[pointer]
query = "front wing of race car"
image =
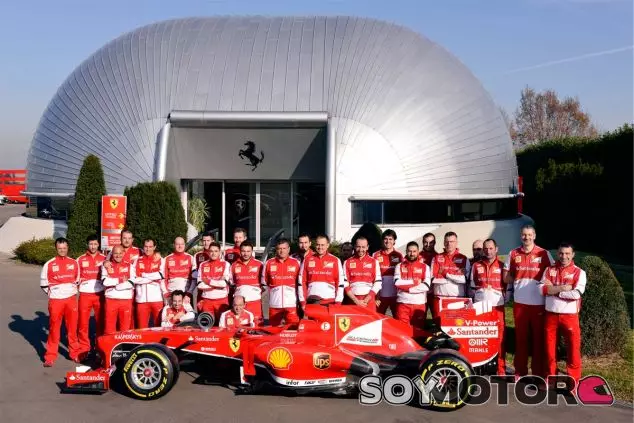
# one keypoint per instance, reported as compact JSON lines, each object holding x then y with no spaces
{"x":86,"y":380}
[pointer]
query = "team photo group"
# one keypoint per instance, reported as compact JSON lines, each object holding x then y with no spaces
{"x":134,"y":287}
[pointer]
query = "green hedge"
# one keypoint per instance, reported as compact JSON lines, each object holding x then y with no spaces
{"x":155,"y":211}
{"x":581,"y":191}
{"x":604,"y":317}
{"x":36,"y":251}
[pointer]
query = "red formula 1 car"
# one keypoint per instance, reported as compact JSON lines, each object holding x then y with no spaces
{"x":330,"y":350}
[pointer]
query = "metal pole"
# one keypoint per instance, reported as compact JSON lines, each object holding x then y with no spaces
{"x":331,"y":174}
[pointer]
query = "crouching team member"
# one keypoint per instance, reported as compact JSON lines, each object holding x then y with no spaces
{"x":238,"y":316}
{"x":177,"y":311}
{"x":321,"y":277}
{"x":91,"y":297}
{"x":214,"y":276}
{"x":119,"y":292}
{"x":58,"y":280}
{"x":487,"y":284}
{"x":449,"y":272}
{"x":363,"y":276}
{"x":388,"y":258}
{"x":246,"y":277}
{"x":280,"y":277}
{"x":562,"y":286}
{"x":178,"y":270}
{"x":412,"y":279}
{"x":149,"y":284}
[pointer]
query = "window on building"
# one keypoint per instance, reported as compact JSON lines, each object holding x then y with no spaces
{"x":393,"y":212}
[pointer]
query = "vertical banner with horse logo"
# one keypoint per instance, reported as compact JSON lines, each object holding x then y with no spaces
{"x":113,"y":219}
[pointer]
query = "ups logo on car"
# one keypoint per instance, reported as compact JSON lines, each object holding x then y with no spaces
{"x":321,"y":360}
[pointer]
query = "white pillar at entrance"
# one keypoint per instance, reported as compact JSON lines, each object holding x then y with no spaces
{"x":184,"y":197}
{"x":331,"y":174}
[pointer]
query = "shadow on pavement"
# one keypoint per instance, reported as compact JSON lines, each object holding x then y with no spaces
{"x":36,"y":332}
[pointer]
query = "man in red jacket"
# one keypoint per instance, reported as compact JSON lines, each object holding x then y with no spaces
{"x":562,"y":286}
{"x":280,"y":277}
{"x":214,"y":278}
{"x":246,"y":278}
{"x":388,"y":258}
{"x":178,"y":270}
{"x":449,"y":272}
{"x":91,"y":296}
{"x":412,"y":279}
{"x":363,"y":276}
{"x":321,"y":277}
{"x":117,"y":279}
{"x":58,"y":279}
{"x":233,"y":254}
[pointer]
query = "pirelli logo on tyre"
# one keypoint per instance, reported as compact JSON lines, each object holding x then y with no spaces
{"x":321,"y":361}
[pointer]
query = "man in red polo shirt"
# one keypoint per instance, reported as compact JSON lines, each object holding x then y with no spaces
{"x":487,"y":284}
{"x":303,"y":248}
{"x":523,"y":271}
{"x":246,"y":279}
{"x":363,"y":276}
{"x":388,"y":258}
{"x":321,"y":276}
{"x":58,"y":279}
{"x":91,"y":295}
{"x":280,"y":277}
{"x":238,"y":316}
{"x":204,"y":254}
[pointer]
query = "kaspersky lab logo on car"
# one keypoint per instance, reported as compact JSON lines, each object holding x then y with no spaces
{"x":477,"y":390}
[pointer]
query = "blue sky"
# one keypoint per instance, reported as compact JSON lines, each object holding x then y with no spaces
{"x":503,"y":42}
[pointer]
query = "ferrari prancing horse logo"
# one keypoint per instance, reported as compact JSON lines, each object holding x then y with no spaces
{"x":234,"y":344}
{"x":344,"y":323}
{"x":114,"y":203}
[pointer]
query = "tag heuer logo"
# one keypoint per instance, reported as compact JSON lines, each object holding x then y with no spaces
{"x":344,"y":323}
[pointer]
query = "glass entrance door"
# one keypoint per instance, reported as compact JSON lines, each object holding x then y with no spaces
{"x":240,"y":209}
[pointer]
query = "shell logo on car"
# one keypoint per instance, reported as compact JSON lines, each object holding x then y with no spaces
{"x":280,"y":358}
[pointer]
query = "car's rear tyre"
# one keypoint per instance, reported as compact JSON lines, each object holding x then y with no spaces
{"x":150,"y":372}
{"x":446,"y":377}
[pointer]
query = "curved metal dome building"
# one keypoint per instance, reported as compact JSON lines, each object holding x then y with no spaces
{"x":376,"y":121}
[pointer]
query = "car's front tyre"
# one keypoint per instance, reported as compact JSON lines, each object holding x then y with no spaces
{"x":445,"y":379}
{"x":149,"y":372}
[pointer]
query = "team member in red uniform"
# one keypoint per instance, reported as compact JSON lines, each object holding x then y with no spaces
{"x":91,"y":296}
{"x":117,"y":279}
{"x":177,"y":311}
{"x":149,"y":286}
{"x":303,"y":247}
{"x":233,"y":254}
{"x":205,"y":253}
{"x":523,"y":271}
{"x":562,"y":286}
{"x":363,"y":276}
{"x":58,"y":279}
{"x":487,"y":284}
{"x":388,"y":259}
{"x":347,"y":250}
{"x":477,"y":248}
{"x":321,"y":276}
{"x":429,"y":249}
{"x":238,"y":316}
{"x":449,"y":272}
{"x":246,"y":278}
{"x":178,"y":270}
{"x":280,"y":277}
{"x":214,"y":276}
{"x":130,"y":252}
{"x":412,"y":279}
{"x":427,"y":255}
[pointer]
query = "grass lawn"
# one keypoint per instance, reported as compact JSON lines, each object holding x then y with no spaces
{"x":617,"y":369}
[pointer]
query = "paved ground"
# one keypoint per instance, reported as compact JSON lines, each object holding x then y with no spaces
{"x":10,"y":210}
{"x":28,"y":392}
